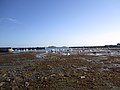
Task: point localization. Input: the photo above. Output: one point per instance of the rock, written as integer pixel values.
(26, 84)
(8, 79)
(93, 79)
(53, 75)
(60, 74)
(38, 77)
(46, 78)
(4, 75)
(82, 77)
(13, 81)
(2, 83)
(15, 88)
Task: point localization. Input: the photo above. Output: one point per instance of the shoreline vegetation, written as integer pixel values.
(20, 71)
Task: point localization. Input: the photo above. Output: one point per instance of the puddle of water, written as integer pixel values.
(11, 66)
(115, 88)
(82, 68)
(113, 65)
(105, 69)
(41, 55)
(116, 65)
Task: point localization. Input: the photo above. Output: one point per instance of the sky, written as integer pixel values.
(59, 22)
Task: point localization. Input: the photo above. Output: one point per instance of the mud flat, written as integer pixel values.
(25, 71)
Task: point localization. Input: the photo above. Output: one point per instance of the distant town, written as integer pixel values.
(106, 49)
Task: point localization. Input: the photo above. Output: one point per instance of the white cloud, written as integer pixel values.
(9, 20)
(12, 20)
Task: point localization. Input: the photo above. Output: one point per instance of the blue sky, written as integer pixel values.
(59, 22)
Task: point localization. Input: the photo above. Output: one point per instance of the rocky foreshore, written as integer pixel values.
(25, 71)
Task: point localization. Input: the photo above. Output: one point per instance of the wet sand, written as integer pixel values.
(24, 71)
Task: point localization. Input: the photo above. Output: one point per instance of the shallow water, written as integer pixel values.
(116, 65)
